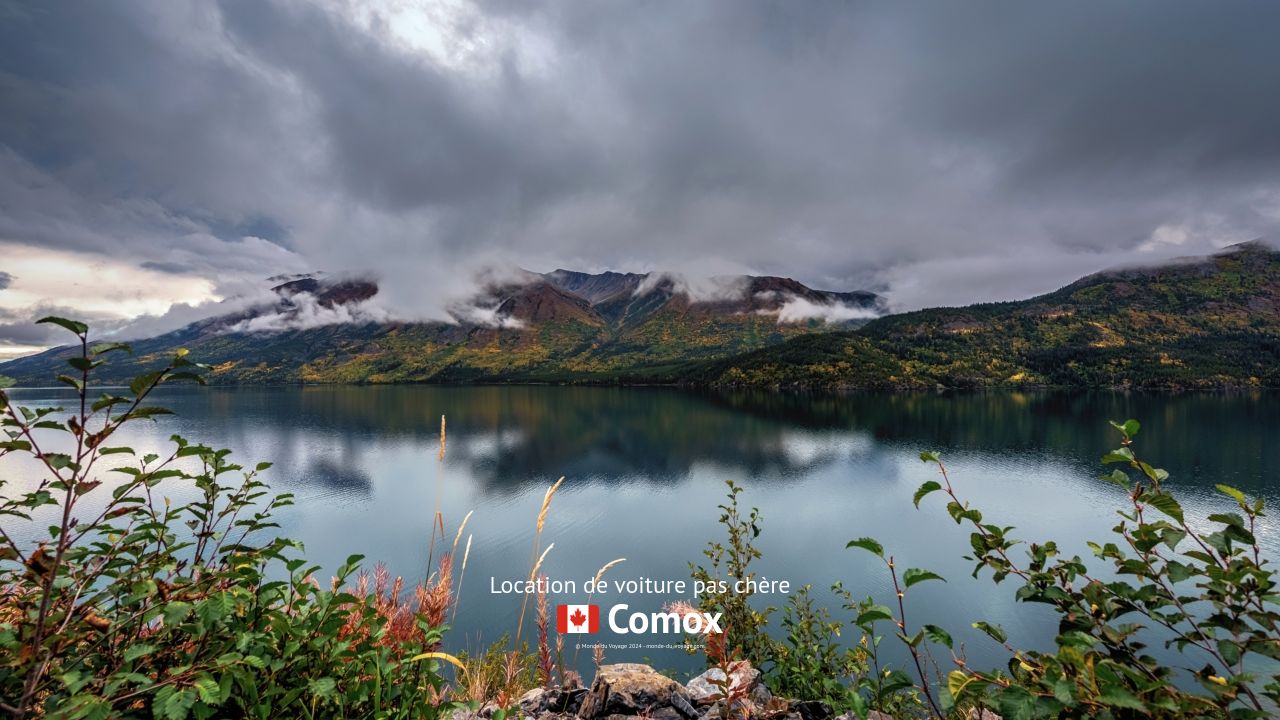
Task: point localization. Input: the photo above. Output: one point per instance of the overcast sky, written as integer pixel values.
(157, 156)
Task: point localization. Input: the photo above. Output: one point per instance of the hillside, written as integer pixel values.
(557, 327)
(1196, 323)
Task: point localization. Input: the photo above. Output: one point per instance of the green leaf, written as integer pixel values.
(1016, 703)
(105, 348)
(1128, 427)
(1116, 696)
(322, 687)
(1232, 492)
(1123, 454)
(995, 632)
(957, 681)
(938, 635)
(1117, 477)
(916, 575)
(929, 456)
(868, 544)
(875, 613)
(174, 704)
(74, 326)
(137, 650)
(1165, 504)
(207, 687)
(175, 612)
(144, 381)
(924, 490)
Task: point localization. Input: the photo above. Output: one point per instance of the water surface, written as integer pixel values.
(645, 469)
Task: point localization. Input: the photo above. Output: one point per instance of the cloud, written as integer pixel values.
(5, 279)
(930, 153)
(306, 311)
(798, 309)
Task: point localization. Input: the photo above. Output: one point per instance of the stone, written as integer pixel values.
(813, 710)
(632, 689)
(533, 701)
(704, 691)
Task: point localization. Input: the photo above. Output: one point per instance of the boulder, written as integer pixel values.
(703, 690)
(813, 710)
(633, 689)
(531, 703)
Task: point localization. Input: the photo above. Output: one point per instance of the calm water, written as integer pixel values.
(645, 468)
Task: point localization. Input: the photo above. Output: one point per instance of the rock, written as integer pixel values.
(982, 714)
(704, 691)
(532, 702)
(681, 704)
(632, 689)
(813, 710)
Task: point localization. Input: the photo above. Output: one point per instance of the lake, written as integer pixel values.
(645, 468)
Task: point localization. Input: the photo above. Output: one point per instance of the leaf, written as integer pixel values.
(1232, 492)
(1165, 504)
(74, 326)
(322, 687)
(439, 656)
(875, 613)
(207, 687)
(105, 348)
(144, 381)
(924, 490)
(995, 632)
(868, 544)
(916, 575)
(137, 650)
(1117, 477)
(1128, 427)
(929, 456)
(957, 681)
(174, 704)
(938, 635)
(1123, 454)
(1119, 697)
(1016, 703)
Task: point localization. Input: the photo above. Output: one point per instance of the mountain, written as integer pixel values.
(561, 326)
(1193, 323)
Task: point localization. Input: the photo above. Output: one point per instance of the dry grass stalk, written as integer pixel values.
(598, 652)
(466, 553)
(442, 438)
(544, 647)
(537, 544)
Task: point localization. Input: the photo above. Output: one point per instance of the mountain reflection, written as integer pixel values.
(507, 437)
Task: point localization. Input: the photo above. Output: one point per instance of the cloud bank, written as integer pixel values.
(934, 153)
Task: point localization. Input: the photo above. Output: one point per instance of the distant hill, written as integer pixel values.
(1195, 323)
(562, 326)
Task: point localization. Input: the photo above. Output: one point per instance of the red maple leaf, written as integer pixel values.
(577, 618)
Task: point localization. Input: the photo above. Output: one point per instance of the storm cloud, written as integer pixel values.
(937, 153)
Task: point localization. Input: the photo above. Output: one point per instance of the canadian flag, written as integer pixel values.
(578, 618)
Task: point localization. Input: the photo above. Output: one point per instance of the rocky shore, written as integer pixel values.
(634, 690)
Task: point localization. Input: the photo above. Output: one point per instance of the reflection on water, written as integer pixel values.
(645, 467)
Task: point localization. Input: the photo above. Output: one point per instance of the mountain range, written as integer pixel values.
(562, 326)
(1194, 323)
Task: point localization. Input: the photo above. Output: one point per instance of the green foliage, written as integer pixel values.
(730, 562)
(1201, 586)
(811, 663)
(130, 606)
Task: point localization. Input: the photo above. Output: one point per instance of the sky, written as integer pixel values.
(160, 159)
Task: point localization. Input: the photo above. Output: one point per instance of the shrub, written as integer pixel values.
(1208, 590)
(130, 606)
(730, 562)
